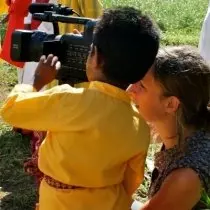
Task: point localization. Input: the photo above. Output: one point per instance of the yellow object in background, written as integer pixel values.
(86, 8)
(3, 10)
(3, 7)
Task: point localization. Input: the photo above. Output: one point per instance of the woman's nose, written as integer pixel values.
(131, 88)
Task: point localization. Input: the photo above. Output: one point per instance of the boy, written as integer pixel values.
(94, 153)
(90, 9)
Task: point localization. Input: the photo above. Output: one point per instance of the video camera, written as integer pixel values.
(71, 49)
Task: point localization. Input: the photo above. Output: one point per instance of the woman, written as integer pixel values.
(173, 97)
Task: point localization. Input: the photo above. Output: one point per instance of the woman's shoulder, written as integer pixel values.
(196, 156)
(187, 162)
(196, 149)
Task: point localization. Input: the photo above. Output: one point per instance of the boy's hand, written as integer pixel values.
(46, 71)
(75, 31)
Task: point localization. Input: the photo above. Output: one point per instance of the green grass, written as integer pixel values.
(179, 20)
(8, 78)
(17, 190)
(180, 23)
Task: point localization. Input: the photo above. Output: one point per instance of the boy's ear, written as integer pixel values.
(98, 57)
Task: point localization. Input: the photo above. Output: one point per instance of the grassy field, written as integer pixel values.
(180, 23)
(179, 20)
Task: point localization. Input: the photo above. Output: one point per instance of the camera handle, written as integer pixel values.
(56, 29)
(50, 16)
(47, 17)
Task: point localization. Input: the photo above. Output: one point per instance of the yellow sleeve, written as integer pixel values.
(42, 111)
(134, 173)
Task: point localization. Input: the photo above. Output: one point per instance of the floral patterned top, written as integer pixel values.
(194, 154)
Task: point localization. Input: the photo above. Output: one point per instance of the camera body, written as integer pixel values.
(71, 49)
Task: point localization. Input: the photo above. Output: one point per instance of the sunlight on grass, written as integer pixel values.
(2, 193)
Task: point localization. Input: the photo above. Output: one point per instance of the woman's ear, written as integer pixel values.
(172, 104)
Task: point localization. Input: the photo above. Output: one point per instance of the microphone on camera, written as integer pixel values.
(44, 7)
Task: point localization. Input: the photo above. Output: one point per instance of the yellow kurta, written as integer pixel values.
(95, 140)
(85, 8)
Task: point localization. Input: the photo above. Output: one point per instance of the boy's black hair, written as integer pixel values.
(128, 43)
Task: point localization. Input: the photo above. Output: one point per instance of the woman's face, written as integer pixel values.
(148, 96)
